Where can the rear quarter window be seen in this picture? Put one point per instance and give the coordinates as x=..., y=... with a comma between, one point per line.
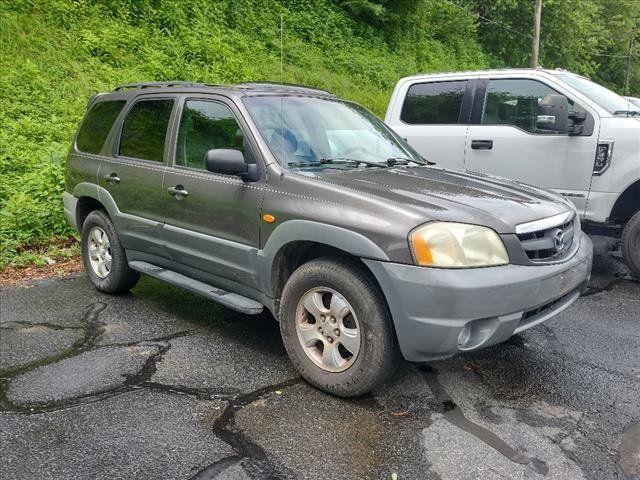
x=97, y=125
x=433, y=103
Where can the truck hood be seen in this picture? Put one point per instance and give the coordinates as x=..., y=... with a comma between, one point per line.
x=438, y=194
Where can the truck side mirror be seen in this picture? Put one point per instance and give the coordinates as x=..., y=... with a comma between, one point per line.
x=553, y=114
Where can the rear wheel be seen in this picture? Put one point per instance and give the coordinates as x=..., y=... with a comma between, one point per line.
x=336, y=327
x=104, y=258
x=631, y=245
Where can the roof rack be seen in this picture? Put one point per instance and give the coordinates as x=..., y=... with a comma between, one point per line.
x=280, y=86
x=175, y=83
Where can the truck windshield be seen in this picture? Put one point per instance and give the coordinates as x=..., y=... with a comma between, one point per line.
x=610, y=101
x=320, y=133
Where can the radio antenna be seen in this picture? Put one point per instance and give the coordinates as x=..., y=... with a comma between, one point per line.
x=281, y=49
x=281, y=136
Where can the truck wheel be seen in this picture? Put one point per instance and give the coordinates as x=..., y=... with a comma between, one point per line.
x=104, y=258
x=336, y=328
x=631, y=245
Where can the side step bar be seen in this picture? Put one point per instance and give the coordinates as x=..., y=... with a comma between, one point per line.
x=228, y=299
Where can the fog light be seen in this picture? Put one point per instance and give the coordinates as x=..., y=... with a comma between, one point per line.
x=477, y=332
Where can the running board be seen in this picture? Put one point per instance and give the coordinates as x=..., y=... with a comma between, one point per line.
x=228, y=299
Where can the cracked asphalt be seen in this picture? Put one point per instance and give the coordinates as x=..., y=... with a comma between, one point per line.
x=161, y=384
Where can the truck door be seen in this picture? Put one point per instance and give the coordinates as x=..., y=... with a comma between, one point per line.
x=503, y=140
x=433, y=116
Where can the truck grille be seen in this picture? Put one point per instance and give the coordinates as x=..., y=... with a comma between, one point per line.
x=549, y=244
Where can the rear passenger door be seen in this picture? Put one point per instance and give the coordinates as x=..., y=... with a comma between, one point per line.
x=212, y=229
x=133, y=174
x=434, y=118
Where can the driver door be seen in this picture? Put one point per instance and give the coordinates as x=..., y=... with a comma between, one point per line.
x=505, y=141
x=211, y=219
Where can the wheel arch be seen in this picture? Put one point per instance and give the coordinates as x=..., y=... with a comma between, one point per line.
x=298, y=241
x=92, y=197
x=627, y=204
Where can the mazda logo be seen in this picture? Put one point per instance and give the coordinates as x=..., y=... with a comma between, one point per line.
x=559, y=242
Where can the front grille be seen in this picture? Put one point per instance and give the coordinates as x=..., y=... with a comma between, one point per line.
x=549, y=244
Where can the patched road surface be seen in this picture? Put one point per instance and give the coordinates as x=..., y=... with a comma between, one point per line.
x=161, y=384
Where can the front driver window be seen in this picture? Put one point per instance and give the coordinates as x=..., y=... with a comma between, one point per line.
x=206, y=125
x=515, y=102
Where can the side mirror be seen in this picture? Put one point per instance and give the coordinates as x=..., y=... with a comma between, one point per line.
x=553, y=114
x=230, y=162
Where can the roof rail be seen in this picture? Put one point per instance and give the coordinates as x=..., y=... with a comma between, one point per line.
x=278, y=85
x=174, y=83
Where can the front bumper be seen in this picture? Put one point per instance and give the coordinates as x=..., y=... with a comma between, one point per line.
x=440, y=312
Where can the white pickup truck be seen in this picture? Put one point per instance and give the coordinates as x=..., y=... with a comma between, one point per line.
x=549, y=128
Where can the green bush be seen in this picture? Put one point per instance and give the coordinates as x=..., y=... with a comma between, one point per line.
x=55, y=54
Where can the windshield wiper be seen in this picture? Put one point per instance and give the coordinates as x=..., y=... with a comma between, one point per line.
x=627, y=113
x=404, y=161
x=310, y=163
x=342, y=160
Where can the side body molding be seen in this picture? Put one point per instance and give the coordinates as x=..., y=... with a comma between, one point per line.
x=304, y=230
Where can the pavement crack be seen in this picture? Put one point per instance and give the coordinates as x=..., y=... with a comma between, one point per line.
x=20, y=324
x=164, y=338
x=250, y=452
x=91, y=330
x=200, y=393
x=150, y=365
x=454, y=415
x=216, y=468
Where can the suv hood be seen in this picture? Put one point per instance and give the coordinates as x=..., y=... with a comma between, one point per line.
x=438, y=194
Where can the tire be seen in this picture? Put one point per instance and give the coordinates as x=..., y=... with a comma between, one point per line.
x=631, y=245
x=118, y=277
x=327, y=283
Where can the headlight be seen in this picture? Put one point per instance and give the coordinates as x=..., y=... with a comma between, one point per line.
x=456, y=245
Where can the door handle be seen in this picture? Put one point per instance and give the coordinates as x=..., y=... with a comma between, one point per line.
x=482, y=144
x=178, y=191
x=112, y=178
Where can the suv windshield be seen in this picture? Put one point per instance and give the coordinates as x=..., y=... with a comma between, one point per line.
x=312, y=132
x=610, y=101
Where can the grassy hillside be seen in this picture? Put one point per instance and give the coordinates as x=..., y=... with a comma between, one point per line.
x=55, y=54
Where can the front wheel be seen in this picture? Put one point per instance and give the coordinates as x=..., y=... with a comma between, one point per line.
x=336, y=327
x=631, y=245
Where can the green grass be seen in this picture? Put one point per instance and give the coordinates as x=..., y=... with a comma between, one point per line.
x=55, y=54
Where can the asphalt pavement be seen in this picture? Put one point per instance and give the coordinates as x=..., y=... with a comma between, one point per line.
x=161, y=384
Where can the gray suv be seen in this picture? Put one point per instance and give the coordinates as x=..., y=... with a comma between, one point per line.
x=288, y=198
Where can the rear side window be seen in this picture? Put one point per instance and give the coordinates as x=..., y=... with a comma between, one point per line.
x=433, y=103
x=97, y=125
x=145, y=129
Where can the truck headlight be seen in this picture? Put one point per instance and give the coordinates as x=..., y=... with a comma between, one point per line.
x=456, y=245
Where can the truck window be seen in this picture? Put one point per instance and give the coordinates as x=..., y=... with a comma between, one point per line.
x=145, y=129
x=97, y=125
x=433, y=103
x=514, y=102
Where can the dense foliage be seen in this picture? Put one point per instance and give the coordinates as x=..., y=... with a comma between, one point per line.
x=56, y=53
